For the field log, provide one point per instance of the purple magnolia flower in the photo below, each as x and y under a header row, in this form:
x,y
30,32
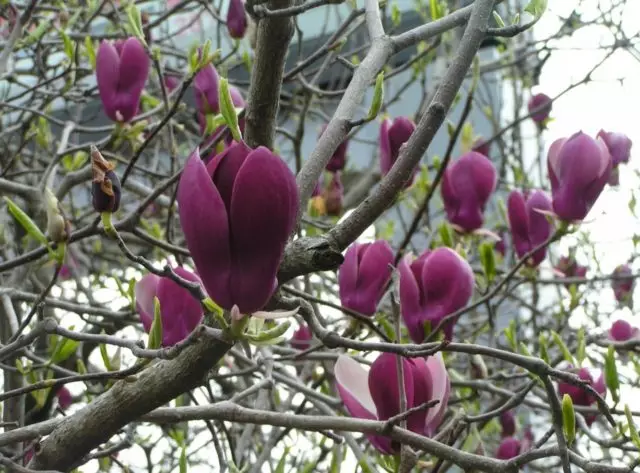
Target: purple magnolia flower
x,y
508,423
622,331
579,167
121,71
205,86
64,398
466,187
375,394
501,245
301,339
364,275
482,146
509,448
179,310
540,107
580,396
623,283
432,287
236,19
529,227
568,267
334,196
339,158
619,146
171,82
237,213
393,134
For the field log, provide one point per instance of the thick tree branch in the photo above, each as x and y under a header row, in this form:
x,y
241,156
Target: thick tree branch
x,y
127,400
274,34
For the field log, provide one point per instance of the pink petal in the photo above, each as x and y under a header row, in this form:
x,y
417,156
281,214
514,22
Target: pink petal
x,y
145,292
383,385
440,389
352,381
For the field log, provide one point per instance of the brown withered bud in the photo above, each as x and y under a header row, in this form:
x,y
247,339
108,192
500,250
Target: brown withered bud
x,y
105,188
478,368
334,196
144,18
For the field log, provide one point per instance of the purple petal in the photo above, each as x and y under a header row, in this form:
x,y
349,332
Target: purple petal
x,y
508,448
236,19
145,291
386,160
107,76
619,146
224,169
410,300
206,230
383,385
205,85
134,70
181,312
621,331
264,207
348,275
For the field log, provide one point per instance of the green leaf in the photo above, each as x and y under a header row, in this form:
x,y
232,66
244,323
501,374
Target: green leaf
x,y
183,459
466,136
563,348
536,8
498,18
228,110
488,260
435,9
135,22
64,349
544,354
67,44
511,334
568,419
155,333
524,349
446,234
283,460
105,356
25,222
378,97
633,431
611,374
396,15
269,336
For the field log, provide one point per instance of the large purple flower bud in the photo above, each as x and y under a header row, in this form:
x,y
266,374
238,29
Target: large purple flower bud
x,y
375,395
579,167
334,196
180,312
466,187
623,283
301,339
580,396
393,134
432,287
622,331
364,275
121,71
236,19
540,107
205,86
529,227
237,213
618,144
508,423
509,448
339,158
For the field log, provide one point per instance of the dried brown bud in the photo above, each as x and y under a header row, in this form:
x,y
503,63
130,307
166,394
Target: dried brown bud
x,y
105,188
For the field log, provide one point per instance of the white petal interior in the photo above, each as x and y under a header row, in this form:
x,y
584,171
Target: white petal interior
x,y
355,379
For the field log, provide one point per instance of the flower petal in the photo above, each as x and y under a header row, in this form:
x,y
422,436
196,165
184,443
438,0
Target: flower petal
x,y
386,160
410,300
353,387
145,291
383,385
107,73
348,274
206,230
264,208
440,389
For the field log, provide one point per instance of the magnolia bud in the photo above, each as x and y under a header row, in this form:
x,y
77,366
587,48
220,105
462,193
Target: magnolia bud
x,y
106,185
57,226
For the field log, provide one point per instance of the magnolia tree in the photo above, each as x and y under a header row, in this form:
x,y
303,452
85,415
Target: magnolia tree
x,y
180,292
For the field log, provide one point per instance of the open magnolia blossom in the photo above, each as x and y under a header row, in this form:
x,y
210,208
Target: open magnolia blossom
x,y
374,394
622,331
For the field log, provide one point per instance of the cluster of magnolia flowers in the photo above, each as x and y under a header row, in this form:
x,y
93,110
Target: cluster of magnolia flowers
x,y
238,194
